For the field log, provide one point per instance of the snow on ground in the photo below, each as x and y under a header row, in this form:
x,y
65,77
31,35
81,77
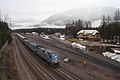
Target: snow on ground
x,y
117,51
96,23
21,27
29,27
79,46
51,26
113,56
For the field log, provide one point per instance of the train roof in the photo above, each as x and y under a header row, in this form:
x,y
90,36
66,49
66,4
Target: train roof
x,y
44,49
34,44
41,48
21,36
51,51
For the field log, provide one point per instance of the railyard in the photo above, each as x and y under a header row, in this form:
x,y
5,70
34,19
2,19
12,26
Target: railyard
x,y
59,40
81,65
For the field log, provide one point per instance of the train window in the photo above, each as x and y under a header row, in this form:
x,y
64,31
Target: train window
x,y
38,47
50,56
48,53
33,45
43,50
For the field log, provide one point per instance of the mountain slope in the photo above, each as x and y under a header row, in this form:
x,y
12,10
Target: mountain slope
x,y
93,14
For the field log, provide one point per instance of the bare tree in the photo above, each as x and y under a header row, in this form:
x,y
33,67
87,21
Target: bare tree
x,y
0,16
117,16
103,19
5,18
87,24
108,19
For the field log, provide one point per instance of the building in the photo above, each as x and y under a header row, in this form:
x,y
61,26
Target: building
x,y
58,34
89,34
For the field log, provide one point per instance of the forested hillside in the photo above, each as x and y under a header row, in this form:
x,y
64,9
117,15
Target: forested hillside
x,y
39,30
109,28
4,33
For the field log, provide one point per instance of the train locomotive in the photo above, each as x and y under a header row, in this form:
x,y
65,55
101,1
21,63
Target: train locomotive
x,y
50,56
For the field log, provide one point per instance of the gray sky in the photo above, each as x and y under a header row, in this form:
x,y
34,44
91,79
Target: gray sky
x,y
41,9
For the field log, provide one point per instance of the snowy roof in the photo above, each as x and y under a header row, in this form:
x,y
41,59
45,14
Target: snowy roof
x,y
93,32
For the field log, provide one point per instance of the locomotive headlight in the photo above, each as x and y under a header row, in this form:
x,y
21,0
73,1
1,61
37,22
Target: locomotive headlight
x,y
55,57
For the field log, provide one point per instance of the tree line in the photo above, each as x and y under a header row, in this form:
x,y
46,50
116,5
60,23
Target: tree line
x,y
5,32
72,28
109,28
39,30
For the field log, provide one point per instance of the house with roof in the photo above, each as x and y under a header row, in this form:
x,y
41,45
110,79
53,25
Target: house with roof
x,y
89,34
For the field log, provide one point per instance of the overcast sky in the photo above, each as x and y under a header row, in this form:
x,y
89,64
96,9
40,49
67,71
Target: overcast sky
x,y
41,9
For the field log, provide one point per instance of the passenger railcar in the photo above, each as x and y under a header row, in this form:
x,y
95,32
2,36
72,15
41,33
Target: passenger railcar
x,y
52,57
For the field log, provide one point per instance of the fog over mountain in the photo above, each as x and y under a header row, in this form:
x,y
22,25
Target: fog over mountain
x,y
92,14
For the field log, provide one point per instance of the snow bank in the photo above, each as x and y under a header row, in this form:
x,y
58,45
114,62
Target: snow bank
x,y
46,37
117,51
112,56
79,46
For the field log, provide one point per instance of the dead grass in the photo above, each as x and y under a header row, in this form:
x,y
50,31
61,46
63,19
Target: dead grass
x,y
73,40
7,72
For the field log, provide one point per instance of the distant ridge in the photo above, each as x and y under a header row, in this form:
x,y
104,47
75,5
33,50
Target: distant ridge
x,y
93,14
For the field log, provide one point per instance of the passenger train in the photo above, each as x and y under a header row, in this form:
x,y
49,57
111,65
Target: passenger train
x,y
50,56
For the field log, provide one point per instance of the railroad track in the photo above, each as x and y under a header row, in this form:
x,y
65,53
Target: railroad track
x,y
71,76
87,57
19,63
91,58
65,74
40,71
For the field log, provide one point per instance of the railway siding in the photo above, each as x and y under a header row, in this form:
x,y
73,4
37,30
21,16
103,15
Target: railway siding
x,y
101,61
37,67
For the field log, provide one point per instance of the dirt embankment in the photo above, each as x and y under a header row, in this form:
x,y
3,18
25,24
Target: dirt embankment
x,y
99,49
8,70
